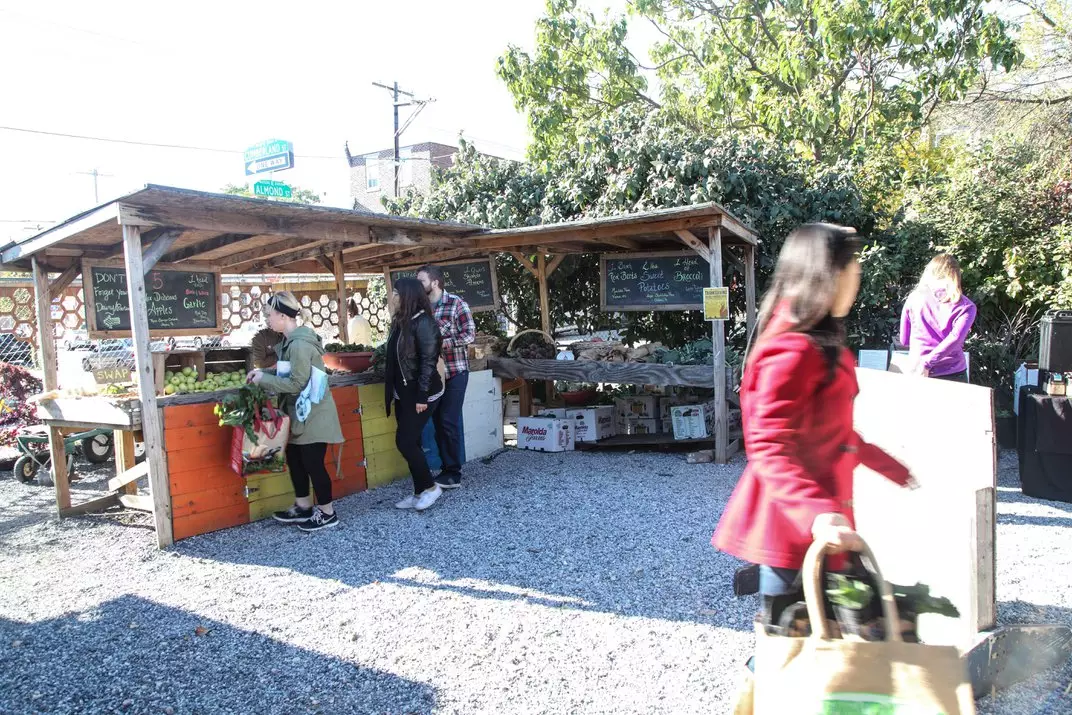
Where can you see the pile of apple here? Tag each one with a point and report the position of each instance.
(185, 381)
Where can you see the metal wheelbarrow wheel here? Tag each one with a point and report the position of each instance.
(98, 449)
(25, 469)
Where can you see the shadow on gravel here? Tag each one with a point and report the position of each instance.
(1032, 520)
(634, 543)
(136, 656)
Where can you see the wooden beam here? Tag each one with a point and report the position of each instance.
(729, 255)
(545, 302)
(526, 263)
(212, 244)
(141, 502)
(522, 237)
(340, 296)
(24, 250)
(327, 263)
(151, 424)
(421, 259)
(595, 371)
(99, 504)
(690, 240)
(56, 287)
(264, 252)
(127, 476)
(310, 229)
(554, 264)
(750, 288)
(316, 251)
(718, 338)
(46, 346)
(626, 243)
(124, 456)
(159, 247)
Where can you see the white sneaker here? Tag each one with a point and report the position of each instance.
(407, 503)
(428, 497)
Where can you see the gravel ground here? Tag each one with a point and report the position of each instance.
(579, 583)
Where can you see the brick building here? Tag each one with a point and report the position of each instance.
(372, 175)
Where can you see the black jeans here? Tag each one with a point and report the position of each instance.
(961, 376)
(306, 462)
(448, 424)
(408, 440)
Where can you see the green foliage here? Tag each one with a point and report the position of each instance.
(825, 76)
(298, 196)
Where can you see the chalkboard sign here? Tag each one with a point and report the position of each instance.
(473, 281)
(652, 281)
(178, 302)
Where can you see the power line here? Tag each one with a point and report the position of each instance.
(152, 144)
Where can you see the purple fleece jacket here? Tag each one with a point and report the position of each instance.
(935, 331)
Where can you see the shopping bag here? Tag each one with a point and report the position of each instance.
(828, 675)
(262, 448)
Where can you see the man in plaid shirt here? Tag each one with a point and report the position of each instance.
(458, 329)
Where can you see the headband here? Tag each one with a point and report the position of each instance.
(277, 305)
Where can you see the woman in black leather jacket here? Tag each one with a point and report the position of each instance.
(413, 383)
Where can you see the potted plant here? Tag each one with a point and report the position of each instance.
(576, 394)
(349, 357)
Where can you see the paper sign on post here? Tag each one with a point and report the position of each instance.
(716, 303)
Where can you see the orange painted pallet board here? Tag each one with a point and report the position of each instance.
(225, 518)
(203, 479)
(207, 500)
(179, 416)
(202, 436)
(185, 460)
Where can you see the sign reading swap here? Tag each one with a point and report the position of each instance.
(652, 281)
(474, 281)
(177, 301)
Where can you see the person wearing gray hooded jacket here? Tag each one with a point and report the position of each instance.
(314, 420)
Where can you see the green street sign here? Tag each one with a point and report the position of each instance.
(272, 190)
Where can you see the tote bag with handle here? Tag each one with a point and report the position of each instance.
(835, 676)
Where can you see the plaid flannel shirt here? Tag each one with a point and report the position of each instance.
(458, 330)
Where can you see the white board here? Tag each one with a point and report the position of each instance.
(943, 533)
(874, 359)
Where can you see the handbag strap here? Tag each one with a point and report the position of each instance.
(813, 595)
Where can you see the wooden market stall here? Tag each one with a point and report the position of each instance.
(686, 246)
(151, 265)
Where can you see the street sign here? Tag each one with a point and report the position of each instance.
(270, 155)
(272, 190)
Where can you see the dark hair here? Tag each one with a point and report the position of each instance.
(805, 284)
(411, 300)
(435, 273)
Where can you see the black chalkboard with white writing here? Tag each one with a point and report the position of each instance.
(176, 300)
(652, 281)
(473, 281)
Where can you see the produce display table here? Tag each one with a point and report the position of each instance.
(1044, 443)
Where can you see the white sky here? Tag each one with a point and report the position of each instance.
(229, 73)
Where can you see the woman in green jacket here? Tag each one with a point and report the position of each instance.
(301, 381)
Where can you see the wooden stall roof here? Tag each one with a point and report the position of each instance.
(241, 235)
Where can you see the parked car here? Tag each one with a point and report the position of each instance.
(196, 342)
(15, 350)
(77, 340)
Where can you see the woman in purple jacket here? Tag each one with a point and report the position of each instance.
(936, 320)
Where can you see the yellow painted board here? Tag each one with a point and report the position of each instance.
(263, 508)
(372, 425)
(269, 485)
(379, 444)
(371, 395)
(384, 469)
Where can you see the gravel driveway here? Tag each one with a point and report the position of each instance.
(575, 583)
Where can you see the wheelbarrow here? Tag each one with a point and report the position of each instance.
(36, 460)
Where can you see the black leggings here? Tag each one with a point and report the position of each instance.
(306, 462)
(408, 440)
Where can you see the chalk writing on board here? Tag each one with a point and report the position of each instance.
(174, 300)
(650, 282)
(473, 281)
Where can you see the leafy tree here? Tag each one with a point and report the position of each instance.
(826, 76)
(298, 196)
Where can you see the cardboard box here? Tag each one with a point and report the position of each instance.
(557, 412)
(666, 425)
(639, 427)
(637, 408)
(693, 421)
(592, 424)
(666, 403)
(545, 434)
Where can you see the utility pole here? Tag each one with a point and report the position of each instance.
(421, 103)
(95, 174)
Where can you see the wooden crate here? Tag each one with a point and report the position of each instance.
(176, 360)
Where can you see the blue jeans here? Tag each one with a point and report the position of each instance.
(448, 424)
(777, 582)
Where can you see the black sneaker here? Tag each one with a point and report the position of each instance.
(319, 520)
(293, 515)
(449, 481)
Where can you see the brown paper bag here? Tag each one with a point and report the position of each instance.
(820, 674)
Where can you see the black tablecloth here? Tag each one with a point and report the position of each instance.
(1044, 442)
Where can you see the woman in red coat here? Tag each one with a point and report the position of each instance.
(796, 406)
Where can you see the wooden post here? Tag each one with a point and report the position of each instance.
(46, 347)
(718, 338)
(750, 288)
(151, 423)
(545, 317)
(124, 457)
(340, 296)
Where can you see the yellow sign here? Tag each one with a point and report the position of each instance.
(716, 303)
